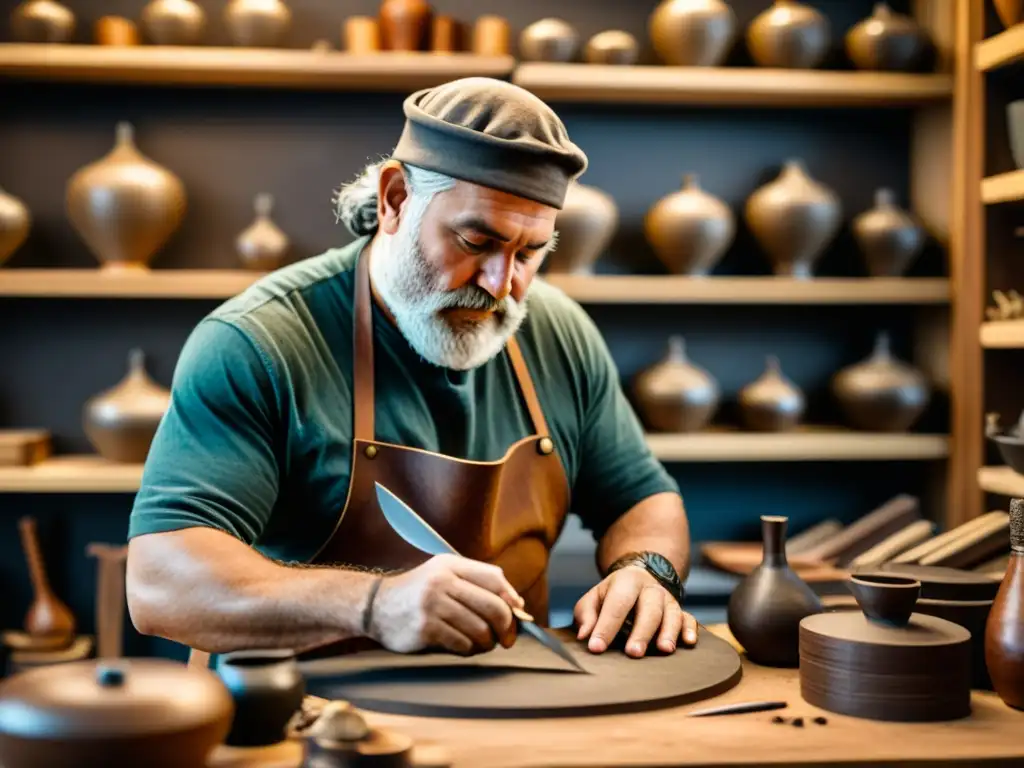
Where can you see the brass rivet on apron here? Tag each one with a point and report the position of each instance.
(371, 451)
(545, 445)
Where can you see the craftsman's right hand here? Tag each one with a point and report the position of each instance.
(450, 603)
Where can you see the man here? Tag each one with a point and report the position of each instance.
(426, 357)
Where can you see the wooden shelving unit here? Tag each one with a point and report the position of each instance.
(1000, 50)
(1004, 334)
(1004, 188)
(1001, 480)
(71, 474)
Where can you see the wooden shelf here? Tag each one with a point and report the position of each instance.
(607, 289)
(739, 86)
(1001, 480)
(1003, 334)
(253, 67)
(1004, 188)
(1000, 50)
(71, 474)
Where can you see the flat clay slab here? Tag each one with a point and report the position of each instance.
(526, 680)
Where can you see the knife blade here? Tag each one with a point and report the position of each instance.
(420, 534)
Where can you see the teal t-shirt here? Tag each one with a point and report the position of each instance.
(257, 439)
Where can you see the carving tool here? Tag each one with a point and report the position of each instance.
(739, 708)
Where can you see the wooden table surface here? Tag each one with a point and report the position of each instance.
(993, 735)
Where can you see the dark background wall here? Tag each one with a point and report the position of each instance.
(228, 144)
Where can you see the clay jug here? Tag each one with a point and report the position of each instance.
(120, 422)
(15, 223)
(585, 226)
(257, 23)
(674, 395)
(692, 33)
(262, 246)
(42, 21)
(887, 41)
(690, 230)
(881, 394)
(789, 35)
(267, 689)
(124, 206)
(766, 608)
(549, 40)
(405, 24)
(1008, 11)
(613, 46)
(888, 237)
(1004, 631)
(772, 403)
(794, 218)
(173, 22)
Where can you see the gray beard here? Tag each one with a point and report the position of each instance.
(412, 291)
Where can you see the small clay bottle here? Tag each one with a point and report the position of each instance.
(772, 403)
(262, 246)
(887, 41)
(1004, 632)
(674, 395)
(405, 25)
(888, 237)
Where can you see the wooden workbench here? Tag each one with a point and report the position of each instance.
(993, 735)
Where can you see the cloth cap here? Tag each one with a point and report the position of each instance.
(492, 133)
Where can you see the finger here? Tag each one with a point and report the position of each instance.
(689, 630)
(650, 609)
(488, 576)
(489, 607)
(615, 607)
(459, 617)
(585, 613)
(672, 621)
(442, 635)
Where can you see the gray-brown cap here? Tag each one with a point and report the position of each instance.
(492, 133)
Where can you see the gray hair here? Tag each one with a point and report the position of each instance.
(355, 203)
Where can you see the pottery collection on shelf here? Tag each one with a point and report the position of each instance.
(789, 35)
(675, 395)
(887, 41)
(771, 403)
(888, 237)
(690, 230)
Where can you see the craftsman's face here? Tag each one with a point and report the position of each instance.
(459, 268)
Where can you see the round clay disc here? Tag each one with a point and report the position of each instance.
(853, 627)
(527, 680)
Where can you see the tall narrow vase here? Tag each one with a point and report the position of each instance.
(1004, 633)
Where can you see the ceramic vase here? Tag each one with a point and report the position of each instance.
(613, 46)
(120, 422)
(888, 237)
(690, 230)
(257, 23)
(262, 246)
(1004, 630)
(585, 226)
(881, 393)
(15, 223)
(771, 403)
(549, 40)
(405, 24)
(789, 35)
(793, 219)
(692, 33)
(125, 206)
(887, 41)
(675, 395)
(42, 21)
(267, 689)
(1008, 11)
(765, 609)
(173, 22)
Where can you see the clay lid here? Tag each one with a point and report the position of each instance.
(124, 697)
(855, 627)
(945, 583)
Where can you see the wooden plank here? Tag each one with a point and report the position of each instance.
(719, 86)
(71, 474)
(1000, 50)
(1001, 480)
(250, 67)
(1003, 188)
(126, 284)
(1002, 334)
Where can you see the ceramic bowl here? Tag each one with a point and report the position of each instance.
(885, 598)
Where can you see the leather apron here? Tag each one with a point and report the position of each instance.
(508, 512)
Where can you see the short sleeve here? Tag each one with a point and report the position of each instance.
(213, 461)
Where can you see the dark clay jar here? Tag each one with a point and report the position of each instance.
(267, 688)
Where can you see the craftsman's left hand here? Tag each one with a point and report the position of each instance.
(601, 613)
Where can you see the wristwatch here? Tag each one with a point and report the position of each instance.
(658, 566)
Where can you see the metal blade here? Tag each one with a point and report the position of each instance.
(552, 643)
(410, 526)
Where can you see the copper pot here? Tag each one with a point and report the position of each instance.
(83, 714)
(15, 223)
(585, 226)
(692, 33)
(257, 23)
(42, 21)
(675, 395)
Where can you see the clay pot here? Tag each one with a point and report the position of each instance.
(120, 422)
(789, 35)
(262, 246)
(257, 23)
(154, 712)
(124, 206)
(1015, 125)
(1004, 631)
(881, 394)
(1008, 11)
(115, 30)
(674, 395)
(772, 403)
(446, 35)
(267, 689)
(885, 598)
(692, 33)
(42, 21)
(766, 608)
(1009, 443)
(549, 40)
(887, 41)
(888, 237)
(173, 22)
(613, 46)
(361, 34)
(15, 223)
(585, 226)
(690, 230)
(405, 24)
(794, 218)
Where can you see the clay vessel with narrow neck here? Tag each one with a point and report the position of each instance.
(42, 21)
(888, 237)
(692, 33)
(15, 223)
(789, 35)
(772, 403)
(887, 41)
(174, 22)
(1004, 632)
(690, 230)
(675, 395)
(262, 246)
(585, 225)
(257, 23)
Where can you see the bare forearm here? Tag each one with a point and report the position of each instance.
(657, 524)
(207, 590)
